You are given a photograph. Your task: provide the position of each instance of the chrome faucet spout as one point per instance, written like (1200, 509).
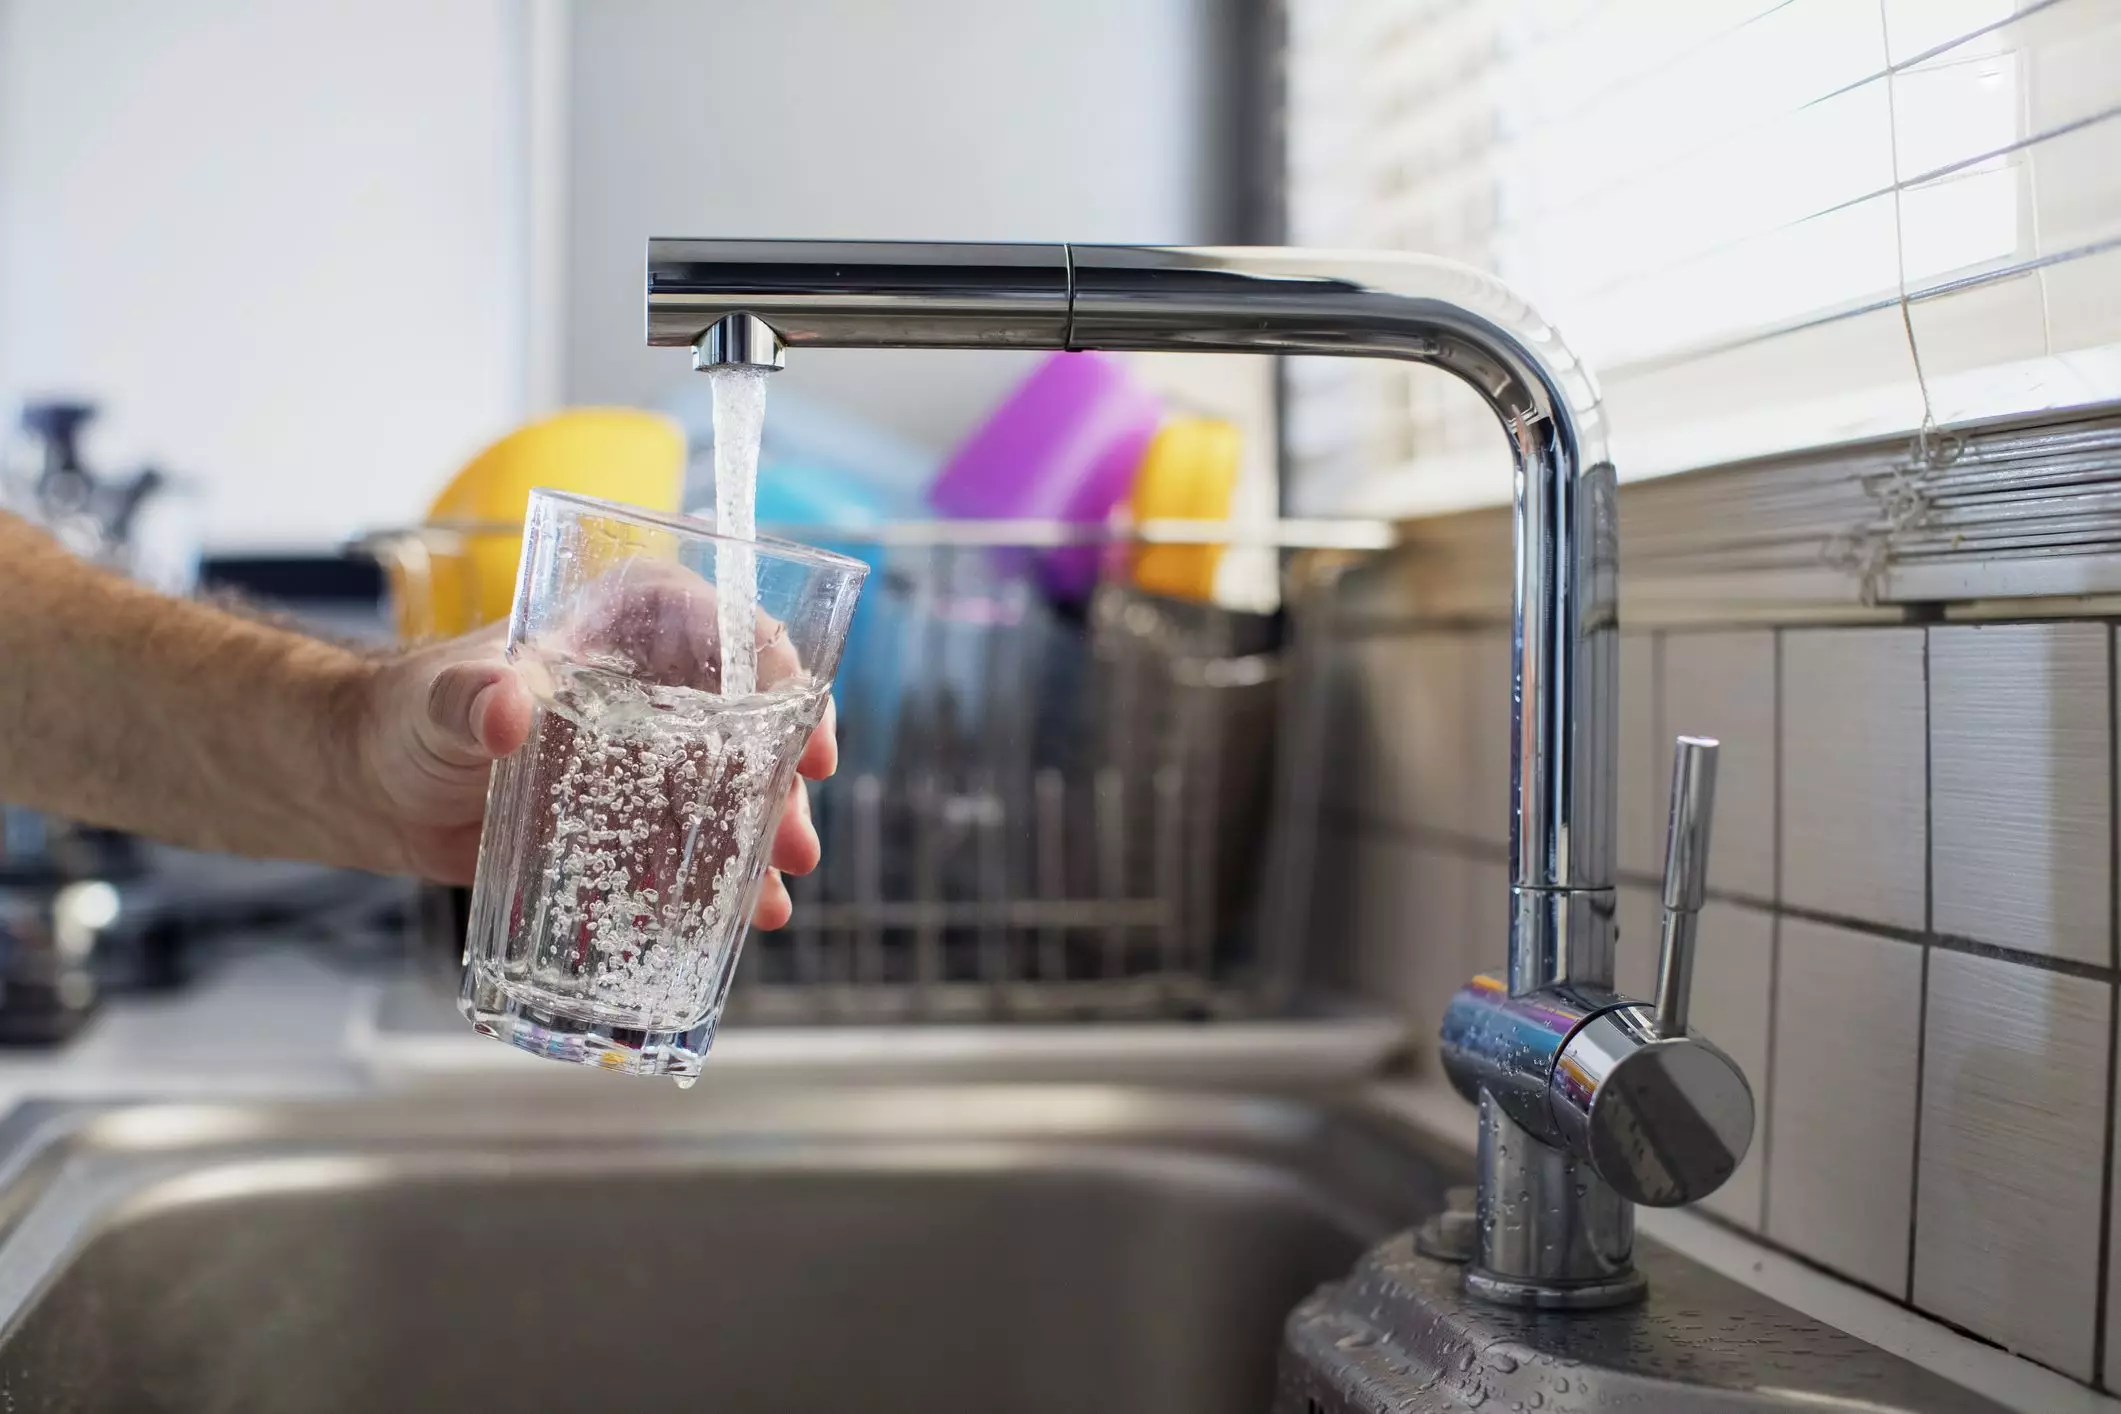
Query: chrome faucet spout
(1573, 1236)
(739, 341)
(913, 294)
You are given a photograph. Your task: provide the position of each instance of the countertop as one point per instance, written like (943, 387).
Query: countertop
(294, 1019)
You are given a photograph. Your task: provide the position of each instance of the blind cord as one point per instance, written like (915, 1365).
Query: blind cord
(1866, 550)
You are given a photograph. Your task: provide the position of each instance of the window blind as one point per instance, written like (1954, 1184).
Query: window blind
(1767, 224)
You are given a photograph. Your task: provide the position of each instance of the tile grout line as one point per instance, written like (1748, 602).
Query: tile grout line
(1660, 787)
(1976, 947)
(1356, 628)
(1929, 918)
(1481, 851)
(1475, 850)
(1654, 718)
(1774, 990)
(1914, 1180)
(1660, 740)
(2102, 1297)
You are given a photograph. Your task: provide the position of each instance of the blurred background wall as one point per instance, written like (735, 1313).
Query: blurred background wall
(314, 255)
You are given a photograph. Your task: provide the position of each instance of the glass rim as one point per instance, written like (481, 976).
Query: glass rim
(695, 528)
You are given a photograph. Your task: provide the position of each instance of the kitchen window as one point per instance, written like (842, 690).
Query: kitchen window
(1769, 226)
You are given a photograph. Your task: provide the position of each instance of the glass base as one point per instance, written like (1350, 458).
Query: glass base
(528, 1026)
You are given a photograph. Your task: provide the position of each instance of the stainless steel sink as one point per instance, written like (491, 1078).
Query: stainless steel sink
(765, 1246)
(1001, 1249)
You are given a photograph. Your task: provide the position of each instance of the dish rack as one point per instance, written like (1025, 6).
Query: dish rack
(1057, 811)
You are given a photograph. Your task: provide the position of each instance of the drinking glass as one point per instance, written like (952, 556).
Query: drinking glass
(625, 842)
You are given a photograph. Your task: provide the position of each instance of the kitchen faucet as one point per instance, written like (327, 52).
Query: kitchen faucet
(1589, 1102)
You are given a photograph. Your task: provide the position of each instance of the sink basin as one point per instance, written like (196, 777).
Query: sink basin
(756, 1247)
(1001, 1249)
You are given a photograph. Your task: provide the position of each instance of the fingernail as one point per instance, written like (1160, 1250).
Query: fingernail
(476, 721)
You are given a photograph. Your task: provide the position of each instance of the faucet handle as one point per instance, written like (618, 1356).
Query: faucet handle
(1686, 870)
(1663, 1116)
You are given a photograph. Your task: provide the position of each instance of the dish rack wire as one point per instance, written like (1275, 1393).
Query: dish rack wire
(1052, 811)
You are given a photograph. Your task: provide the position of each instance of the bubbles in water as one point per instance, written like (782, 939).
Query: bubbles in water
(635, 865)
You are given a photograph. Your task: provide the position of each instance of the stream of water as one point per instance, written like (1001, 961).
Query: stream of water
(739, 418)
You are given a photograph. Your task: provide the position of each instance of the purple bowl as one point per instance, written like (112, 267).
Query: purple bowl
(1065, 446)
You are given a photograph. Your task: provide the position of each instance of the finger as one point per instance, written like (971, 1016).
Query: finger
(774, 906)
(821, 754)
(474, 713)
(795, 843)
(501, 715)
(656, 614)
(663, 617)
(661, 628)
(777, 656)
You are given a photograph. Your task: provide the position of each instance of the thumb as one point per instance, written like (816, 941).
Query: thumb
(474, 713)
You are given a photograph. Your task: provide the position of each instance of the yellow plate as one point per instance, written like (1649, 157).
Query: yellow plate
(1188, 473)
(620, 454)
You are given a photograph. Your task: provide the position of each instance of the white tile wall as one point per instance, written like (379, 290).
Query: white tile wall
(2022, 786)
(1640, 914)
(1488, 913)
(2000, 734)
(1396, 693)
(1848, 1011)
(1415, 932)
(1723, 685)
(1854, 787)
(1416, 694)
(2110, 1376)
(1487, 737)
(1641, 806)
(1353, 743)
(1455, 934)
(2013, 1142)
(1733, 971)
(1333, 956)
(1395, 920)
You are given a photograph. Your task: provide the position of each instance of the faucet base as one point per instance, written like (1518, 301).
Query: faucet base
(1550, 1233)
(1624, 1289)
(1400, 1333)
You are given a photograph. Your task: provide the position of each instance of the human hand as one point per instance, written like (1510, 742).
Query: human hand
(433, 721)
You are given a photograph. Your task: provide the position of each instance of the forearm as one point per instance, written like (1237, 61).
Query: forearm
(124, 708)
